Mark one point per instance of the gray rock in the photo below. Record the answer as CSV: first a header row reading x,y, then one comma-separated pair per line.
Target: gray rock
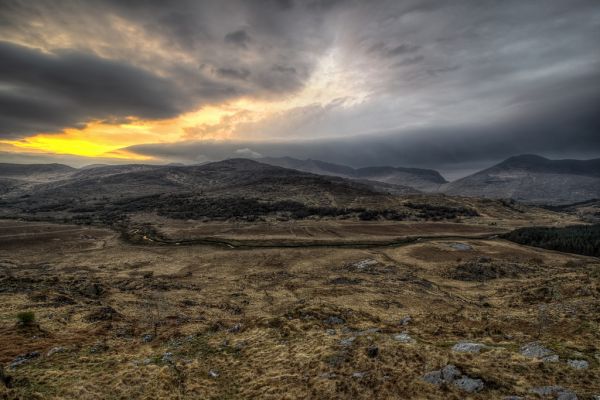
x,y
348,341
167,357
23,359
405,320
433,377
578,364
403,338
566,396
547,390
554,358
330,332
560,392
147,338
468,347
537,350
213,373
469,385
359,375
235,328
363,264
333,320
447,374
450,373
460,246
55,350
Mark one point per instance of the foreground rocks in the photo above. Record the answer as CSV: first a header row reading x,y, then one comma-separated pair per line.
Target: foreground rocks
x,y
468,347
537,350
450,374
558,392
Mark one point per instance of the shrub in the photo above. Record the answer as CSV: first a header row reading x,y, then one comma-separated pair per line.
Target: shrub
x,y
26,318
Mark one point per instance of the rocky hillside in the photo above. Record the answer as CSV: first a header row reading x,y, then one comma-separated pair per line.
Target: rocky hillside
x,y
533,179
421,179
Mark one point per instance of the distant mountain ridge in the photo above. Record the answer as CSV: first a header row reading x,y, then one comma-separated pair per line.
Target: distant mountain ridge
x,y
527,178
533,179
426,180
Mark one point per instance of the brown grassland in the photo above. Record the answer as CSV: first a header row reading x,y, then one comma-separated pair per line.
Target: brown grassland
x,y
246,318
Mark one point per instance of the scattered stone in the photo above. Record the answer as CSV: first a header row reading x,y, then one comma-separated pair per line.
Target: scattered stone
x,y
23,359
363,264
469,385
450,373
333,320
359,375
468,347
553,358
55,350
147,338
558,391
460,246
372,351
331,332
167,357
433,377
578,364
403,338
235,328
405,320
348,341
213,373
537,350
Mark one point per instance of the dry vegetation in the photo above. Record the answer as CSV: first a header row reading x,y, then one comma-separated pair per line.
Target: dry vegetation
x,y
116,320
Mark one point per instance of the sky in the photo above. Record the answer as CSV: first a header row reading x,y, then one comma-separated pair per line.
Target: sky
x,y
451,85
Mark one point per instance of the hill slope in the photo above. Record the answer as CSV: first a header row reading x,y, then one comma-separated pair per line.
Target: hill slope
x,y
533,179
421,179
35,172
230,178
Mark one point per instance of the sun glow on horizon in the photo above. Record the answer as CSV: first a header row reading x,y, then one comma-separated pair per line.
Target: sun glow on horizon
x,y
329,84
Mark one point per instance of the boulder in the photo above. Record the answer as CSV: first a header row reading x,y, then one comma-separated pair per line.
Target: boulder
x,y
469,385
578,364
468,347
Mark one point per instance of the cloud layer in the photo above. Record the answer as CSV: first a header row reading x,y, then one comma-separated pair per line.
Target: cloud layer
x,y
384,82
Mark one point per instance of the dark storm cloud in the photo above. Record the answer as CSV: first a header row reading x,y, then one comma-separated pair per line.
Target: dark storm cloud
x,y
52,91
238,38
567,129
148,59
